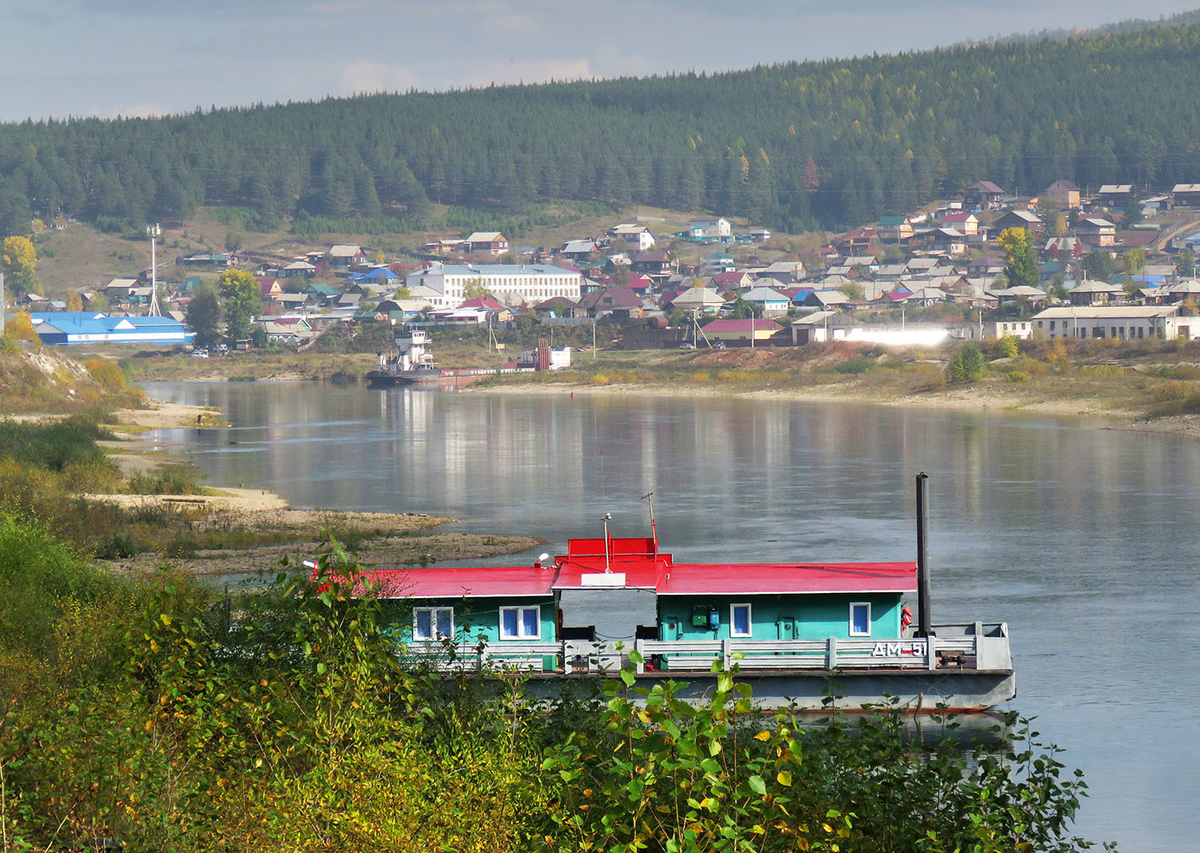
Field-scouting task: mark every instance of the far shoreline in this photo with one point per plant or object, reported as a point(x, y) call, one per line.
point(984, 397)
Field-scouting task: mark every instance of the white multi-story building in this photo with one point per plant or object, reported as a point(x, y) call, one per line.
point(512, 284)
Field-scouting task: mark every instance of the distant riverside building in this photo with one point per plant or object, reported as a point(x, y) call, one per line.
point(512, 284)
point(66, 328)
point(1122, 322)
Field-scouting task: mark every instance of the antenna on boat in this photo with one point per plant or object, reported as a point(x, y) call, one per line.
point(649, 499)
point(607, 566)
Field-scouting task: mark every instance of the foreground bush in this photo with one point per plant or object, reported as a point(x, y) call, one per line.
point(285, 721)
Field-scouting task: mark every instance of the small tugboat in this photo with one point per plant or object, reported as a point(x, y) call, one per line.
point(814, 636)
point(413, 364)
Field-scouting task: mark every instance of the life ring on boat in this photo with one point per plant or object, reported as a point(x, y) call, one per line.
point(906, 617)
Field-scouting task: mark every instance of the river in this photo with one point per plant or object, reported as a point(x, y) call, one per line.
point(1081, 538)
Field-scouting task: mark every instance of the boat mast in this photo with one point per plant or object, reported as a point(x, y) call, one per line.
point(607, 564)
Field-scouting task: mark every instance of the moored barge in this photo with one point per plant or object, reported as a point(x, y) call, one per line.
point(814, 636)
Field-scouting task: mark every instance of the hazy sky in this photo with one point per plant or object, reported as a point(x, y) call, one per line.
point(110, 57)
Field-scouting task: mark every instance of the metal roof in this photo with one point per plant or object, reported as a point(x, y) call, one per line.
point(636, 563)
point(465, 583)
point(799, 578)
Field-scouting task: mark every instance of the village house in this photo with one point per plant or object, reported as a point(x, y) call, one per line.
point(579, 250)
point(637, 237)
point(726, 281)
point(559, 308)
point(1094, 232)
point(770, 302)
point(949, 241)
point(620, 302)
point(983, 195)
point(1182, 291)
point(704, 300)
point(857, 241)
point(344, 257)
point(271, 288)
point(895, 229)
point(297, 269)
point(702, 229)
point(1031, 222)
point(1063, 194)
point(487, 242)
point(965, 222)
point(1096, 293)
point(1185, 195)
point(822, 326)
point(741, 332)
point(655, 263)
point(1114, 196)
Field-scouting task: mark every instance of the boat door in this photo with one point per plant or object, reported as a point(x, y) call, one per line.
point(670, 627)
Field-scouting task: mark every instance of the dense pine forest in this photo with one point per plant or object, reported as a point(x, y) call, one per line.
point(796, 146)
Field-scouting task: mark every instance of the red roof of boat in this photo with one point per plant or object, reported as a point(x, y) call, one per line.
point(765, 578)
point(481, 582)
point(644, 567)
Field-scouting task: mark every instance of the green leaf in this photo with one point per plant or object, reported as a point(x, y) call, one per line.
point(321, 668)
point(757, 785)
point(628, 676)
point(784, 778)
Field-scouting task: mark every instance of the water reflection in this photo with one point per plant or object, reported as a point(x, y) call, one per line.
point(1081, 538)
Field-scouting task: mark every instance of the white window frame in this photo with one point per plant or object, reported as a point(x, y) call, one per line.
point(749, 622)
point(433, 620)
point(854, 604)
point(520, 610)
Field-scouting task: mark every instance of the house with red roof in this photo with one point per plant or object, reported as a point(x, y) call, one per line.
point(726, 281)
point(856, 242)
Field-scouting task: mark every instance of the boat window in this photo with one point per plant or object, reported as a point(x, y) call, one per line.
point(433, 623)
point(739, 620)
point(860, 619)
point(520, 623)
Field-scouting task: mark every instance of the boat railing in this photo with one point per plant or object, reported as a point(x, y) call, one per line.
point(971, 646)
point(467, 657)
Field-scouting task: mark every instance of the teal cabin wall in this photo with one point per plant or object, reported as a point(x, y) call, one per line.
point(473, 618)
point(780, 617)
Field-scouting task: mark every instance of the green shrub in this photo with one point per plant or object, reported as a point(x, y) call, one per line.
point(118, 546)
point(856, 366)
point(1018, 376)
point(167, 481)
point(52, 445)
point(966, 366)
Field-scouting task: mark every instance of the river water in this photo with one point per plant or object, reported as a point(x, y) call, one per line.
point(1083, 539)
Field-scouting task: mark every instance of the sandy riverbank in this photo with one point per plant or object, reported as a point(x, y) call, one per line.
point(377, 539)
point(979, 397)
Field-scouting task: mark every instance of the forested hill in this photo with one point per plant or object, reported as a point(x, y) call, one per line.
point(831, 143)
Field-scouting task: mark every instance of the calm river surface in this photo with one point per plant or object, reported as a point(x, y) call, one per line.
point(1085, 540)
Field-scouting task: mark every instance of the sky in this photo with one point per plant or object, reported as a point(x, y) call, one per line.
point(61, 58)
